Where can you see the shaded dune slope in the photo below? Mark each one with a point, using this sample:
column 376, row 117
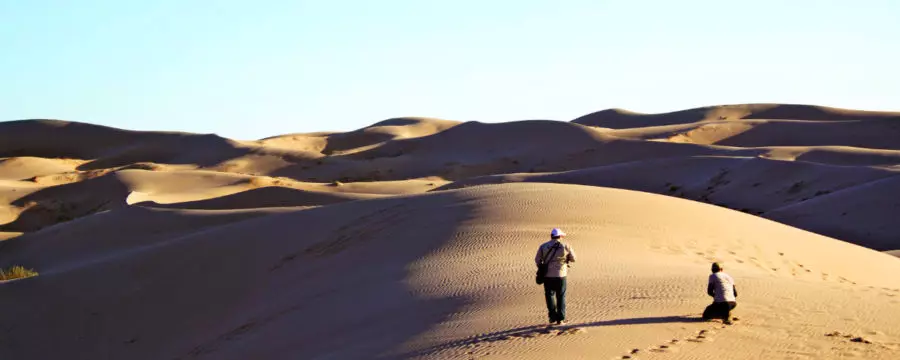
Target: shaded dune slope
column 866, row 214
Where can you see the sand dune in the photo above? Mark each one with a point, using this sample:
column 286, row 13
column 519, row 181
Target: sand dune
column 784, row 191
column 20, row 168
column 367, row 137
column 836, row 155
column 755, row 184
column 414, row 238
column 70, row 139
column 272, row 196
column 8, row 235
column 620, row 119
column 876, row 134
column 29, row 206
column 865, row 214
column 476, row 149
column 637, row 285
column 114, row 233
column 62, row 203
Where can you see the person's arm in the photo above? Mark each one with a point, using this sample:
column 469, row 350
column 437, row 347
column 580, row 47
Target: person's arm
column 733, row 286
column 538, row 257
column 570, row 257
column 710, row 288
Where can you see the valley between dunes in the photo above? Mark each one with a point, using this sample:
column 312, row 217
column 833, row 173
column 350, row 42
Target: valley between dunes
column 415, row 238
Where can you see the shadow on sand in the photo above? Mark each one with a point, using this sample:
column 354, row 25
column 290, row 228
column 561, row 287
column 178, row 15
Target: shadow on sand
column 537, row 330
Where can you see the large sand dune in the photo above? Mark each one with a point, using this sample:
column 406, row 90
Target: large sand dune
column 839, row 201
column 414, row 238
column 447, row 275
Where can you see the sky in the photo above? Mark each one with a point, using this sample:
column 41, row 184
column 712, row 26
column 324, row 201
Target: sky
column 253, row 69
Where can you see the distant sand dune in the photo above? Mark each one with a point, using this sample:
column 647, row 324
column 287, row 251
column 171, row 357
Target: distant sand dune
column 272, row 196
column 383, row 157
column 864, row 214
column 752, row 185
column 20, row 168
column 620, row 119
column 875, row 134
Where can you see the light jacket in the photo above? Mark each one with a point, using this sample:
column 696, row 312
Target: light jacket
column 558, row 260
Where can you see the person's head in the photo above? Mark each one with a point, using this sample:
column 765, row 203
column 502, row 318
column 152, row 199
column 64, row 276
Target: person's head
column 716, row 267
column 556, row 234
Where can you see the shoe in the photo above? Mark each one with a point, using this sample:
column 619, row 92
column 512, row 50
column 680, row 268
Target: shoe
column 562, row 322
column 727, row 322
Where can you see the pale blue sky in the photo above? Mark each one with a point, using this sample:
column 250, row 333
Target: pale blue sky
column 251, row 69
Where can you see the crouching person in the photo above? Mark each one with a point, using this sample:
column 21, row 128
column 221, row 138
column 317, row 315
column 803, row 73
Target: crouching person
column 721, row 288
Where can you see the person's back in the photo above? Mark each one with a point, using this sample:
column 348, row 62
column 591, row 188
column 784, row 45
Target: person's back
column 557, row 255
column 723, row 287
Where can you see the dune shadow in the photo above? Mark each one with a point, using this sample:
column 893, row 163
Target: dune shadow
column 538, row 330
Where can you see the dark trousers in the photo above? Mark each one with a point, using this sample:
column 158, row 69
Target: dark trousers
column 719, row 310
column 555, row 295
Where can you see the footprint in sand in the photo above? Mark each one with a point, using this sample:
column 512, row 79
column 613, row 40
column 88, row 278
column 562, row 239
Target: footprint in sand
column 664, row 348
column 702, row 336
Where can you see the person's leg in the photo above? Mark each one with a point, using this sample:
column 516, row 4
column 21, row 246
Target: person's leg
column 716, row 310
column 727, row 310
column 548, row 297
column 561, row 300
column 710, row 312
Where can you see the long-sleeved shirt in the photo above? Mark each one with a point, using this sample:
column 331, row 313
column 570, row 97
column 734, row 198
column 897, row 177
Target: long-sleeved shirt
column 558, row 260
column 721, row 287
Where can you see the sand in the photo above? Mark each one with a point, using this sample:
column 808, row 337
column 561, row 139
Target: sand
column 415, row 237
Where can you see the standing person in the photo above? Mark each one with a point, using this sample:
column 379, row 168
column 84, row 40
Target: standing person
column 721, row 288
column 556, row 256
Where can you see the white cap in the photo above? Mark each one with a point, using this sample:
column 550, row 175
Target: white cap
column 557, row 232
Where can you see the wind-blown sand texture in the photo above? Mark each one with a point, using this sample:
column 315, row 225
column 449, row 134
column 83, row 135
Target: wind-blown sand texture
column 415, row 237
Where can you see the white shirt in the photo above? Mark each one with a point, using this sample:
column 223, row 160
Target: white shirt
column 723, row 287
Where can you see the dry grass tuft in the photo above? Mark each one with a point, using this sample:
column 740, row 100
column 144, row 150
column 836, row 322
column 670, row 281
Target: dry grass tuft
column 16, row 272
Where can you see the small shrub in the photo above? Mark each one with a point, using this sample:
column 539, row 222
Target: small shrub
column 16, row 272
